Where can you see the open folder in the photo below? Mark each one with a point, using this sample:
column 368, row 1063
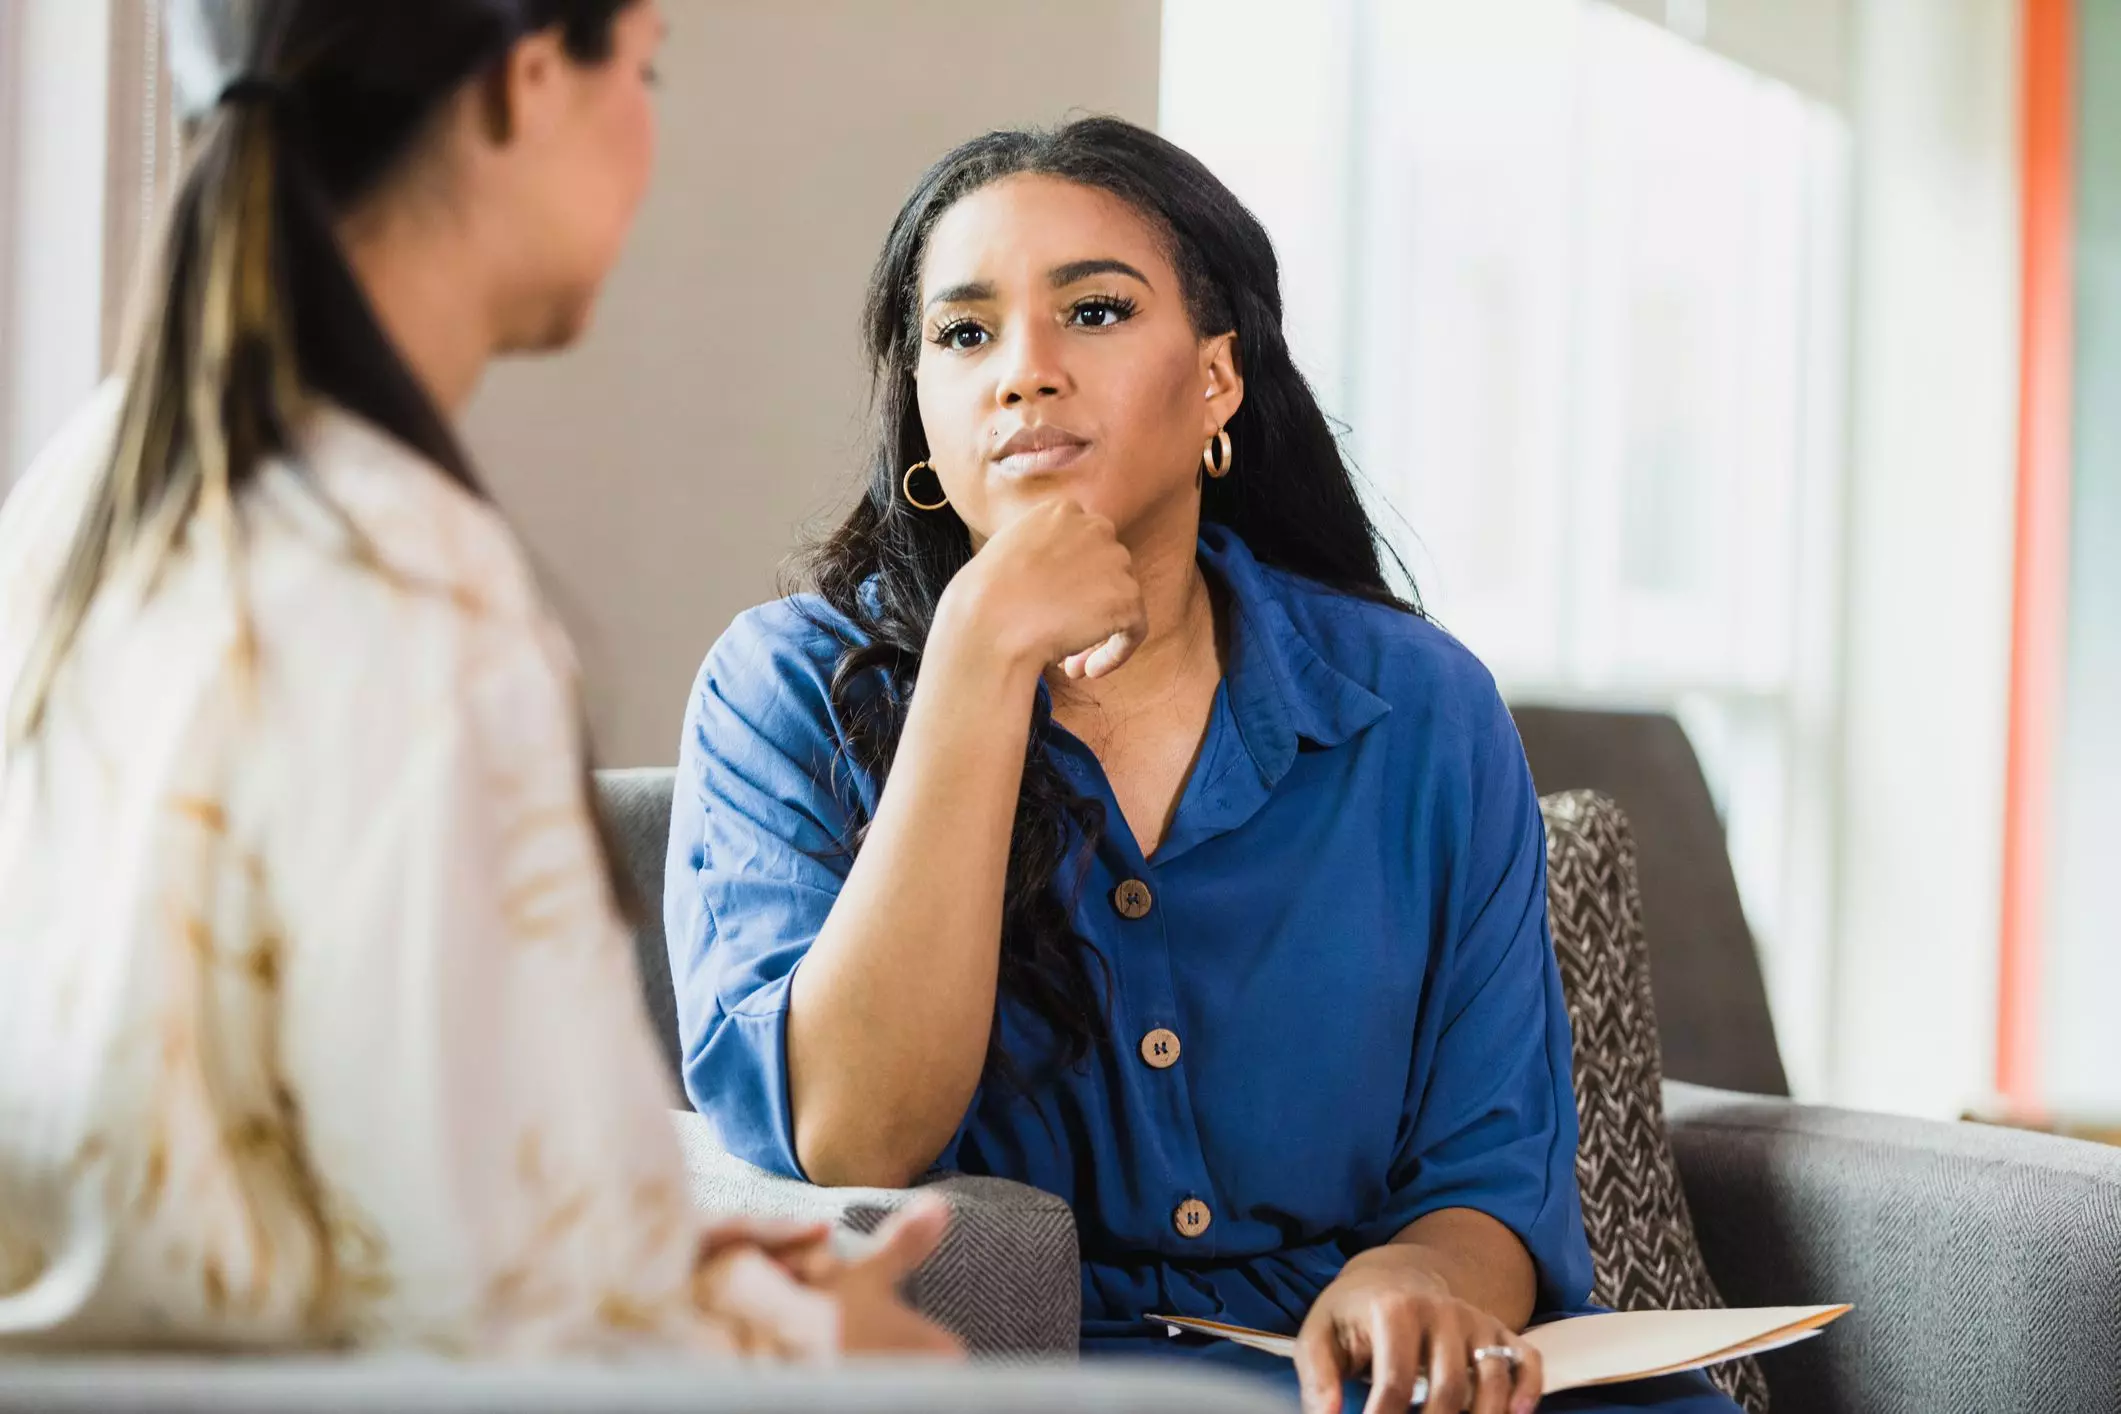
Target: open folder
column 1611, row 1349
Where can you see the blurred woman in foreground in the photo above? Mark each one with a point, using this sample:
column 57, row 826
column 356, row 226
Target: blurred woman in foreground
column 318, row 1024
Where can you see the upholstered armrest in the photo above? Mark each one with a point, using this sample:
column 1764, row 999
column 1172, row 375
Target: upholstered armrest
column 1984, row 1264
column 1007, row 1281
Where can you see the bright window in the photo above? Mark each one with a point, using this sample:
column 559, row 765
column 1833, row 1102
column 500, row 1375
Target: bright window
column 1578, row 286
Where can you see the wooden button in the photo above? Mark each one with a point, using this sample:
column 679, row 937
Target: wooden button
column 1160, row 1048
column 1133, row 899
column 1192, row 1218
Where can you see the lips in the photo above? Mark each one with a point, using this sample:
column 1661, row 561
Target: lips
column 1030, row 450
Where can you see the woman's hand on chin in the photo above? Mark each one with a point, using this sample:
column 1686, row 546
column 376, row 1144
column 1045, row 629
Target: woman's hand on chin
column 1054, row 586
column 1391, row 1319
column 781, row 1291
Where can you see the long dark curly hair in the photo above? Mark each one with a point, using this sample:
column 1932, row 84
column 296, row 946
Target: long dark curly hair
column 1293, row 501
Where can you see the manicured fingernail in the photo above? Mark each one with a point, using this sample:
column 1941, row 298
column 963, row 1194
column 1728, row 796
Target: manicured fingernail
column 1524, row 1404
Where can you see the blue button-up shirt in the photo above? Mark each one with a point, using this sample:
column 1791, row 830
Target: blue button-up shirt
column 1346, row 932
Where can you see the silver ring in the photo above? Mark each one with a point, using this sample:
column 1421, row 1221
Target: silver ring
column 1510, row 1353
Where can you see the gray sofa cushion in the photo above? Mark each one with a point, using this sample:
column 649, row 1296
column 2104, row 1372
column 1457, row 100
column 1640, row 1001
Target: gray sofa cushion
column 1643, row 1248
column 1714, row 1022
column 1984, row 1264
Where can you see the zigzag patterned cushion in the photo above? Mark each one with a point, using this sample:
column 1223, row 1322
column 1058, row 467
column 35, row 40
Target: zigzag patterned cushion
column 1643, row 1249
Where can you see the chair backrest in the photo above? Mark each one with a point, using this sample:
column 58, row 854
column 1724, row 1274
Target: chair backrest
column 636, row 810
column 1712, row 1007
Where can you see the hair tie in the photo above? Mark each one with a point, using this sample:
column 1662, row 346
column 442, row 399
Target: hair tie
column 250, row 89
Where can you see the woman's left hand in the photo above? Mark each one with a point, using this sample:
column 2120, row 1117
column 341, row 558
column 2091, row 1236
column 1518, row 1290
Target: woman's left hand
column 1390, row 1318
column 782, row 1291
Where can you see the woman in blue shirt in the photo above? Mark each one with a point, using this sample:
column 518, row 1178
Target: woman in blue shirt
column 1104, row 822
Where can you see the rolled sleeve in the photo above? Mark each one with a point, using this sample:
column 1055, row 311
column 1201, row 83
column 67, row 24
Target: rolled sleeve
column 759, row 849
column 1491, row 1121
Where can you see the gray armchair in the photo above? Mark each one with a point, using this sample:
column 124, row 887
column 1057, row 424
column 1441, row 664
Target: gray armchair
column 1985, row 1265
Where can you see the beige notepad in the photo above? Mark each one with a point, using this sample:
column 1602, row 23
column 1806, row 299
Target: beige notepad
column 1612, row 1349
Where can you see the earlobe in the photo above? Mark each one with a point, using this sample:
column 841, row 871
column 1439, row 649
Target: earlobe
column 524, row 97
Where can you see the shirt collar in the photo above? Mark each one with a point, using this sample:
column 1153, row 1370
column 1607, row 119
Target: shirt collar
column 1282, row 691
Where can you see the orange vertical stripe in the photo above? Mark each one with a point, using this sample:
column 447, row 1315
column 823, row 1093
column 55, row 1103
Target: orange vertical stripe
column 2040, row 578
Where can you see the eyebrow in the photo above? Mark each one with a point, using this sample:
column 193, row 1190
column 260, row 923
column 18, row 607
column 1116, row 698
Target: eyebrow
column 963, row 294
column 1075, row 270
column 1062, row 276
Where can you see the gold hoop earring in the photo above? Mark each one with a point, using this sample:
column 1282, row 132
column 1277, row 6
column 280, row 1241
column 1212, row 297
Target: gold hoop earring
column 905, row 487
column 1218, row 465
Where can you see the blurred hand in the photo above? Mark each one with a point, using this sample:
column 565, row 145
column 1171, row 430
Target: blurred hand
column 785, row 1293
column 1053, row 587
column 875, row 1317
column 1391, row 1320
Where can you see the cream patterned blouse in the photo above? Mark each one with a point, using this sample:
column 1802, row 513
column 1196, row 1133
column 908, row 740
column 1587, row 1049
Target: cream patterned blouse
column 317, row 1022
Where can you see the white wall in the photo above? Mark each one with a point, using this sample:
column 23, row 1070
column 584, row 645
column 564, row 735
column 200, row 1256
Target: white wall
column 10, row 127
column 54, row 103
column 663, row 471
column 1929, row 555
